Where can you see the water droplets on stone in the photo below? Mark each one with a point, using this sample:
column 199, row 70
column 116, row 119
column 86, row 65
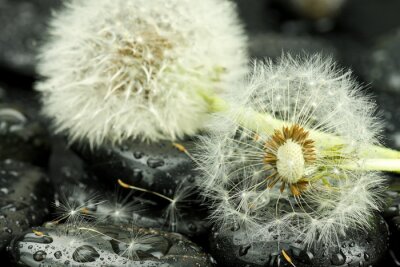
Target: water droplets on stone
column 366, row 256
column 244, row 249
column 57, row 254
column 192, row 227
column 155, row 162
column 39, row 255
column 85, row 253
column 138, row 155
column 137, row 174
column 142, row 248
column 338, row 259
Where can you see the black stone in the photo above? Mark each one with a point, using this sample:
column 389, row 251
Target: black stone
column 158, row 167
column 272, row 45
column 23, row 29
column 105, row 246
column 392, row 215
column 74, row 183
column 382, row 69
column 24, row 198
column 22, row 136
column 389, row 109
column 359, row 248
column 257, row 15
column 368, row 19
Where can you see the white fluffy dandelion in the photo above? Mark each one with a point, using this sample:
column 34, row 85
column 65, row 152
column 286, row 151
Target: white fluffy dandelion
column 117, row 70
column 289, row 156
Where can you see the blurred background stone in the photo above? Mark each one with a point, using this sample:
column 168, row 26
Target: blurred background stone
column 25, row 196
column 23, row 29
column 22, row 136
column 382, row 69
column 272, row 45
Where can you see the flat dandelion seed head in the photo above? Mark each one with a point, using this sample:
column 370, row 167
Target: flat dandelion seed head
column 117, row 70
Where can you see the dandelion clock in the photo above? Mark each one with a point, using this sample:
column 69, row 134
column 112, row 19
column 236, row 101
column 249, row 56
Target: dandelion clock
column 118, row 70
column 288, row 163
column 122, row 79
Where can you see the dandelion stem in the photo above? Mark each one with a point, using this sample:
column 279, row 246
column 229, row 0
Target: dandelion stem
column 389, row 165
column 125, row 185
column 377, row 157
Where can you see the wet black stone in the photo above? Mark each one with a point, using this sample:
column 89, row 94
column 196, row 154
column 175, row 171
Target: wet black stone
column 392, row 215
column 158, row 167
column 85, row 253
column 382, row 69
column 257, row 15
column 272, row 45
column 389, row 107
column 113, row 247
column 232, row 248
column 72, row 181
column 24, row 198
column 313, row 10
column 23, row 29
column 22, row 137
column 368, row 19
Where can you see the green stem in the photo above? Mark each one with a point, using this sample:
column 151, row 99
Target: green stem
column 389, row 165
column 376, row 157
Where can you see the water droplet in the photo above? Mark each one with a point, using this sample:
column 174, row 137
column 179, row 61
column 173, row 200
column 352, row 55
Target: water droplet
column 85, row 253
column 366, row 256
column 137, row 174
column 138, row 155
column 57, row 254
column 4, row 190
column 7, row 230
column 154, row 163
column 39, row 255
column 38, row 239
column 235, row 227
column 192, row 227
column 244, row 249
column 191, row 179
column 338, row 259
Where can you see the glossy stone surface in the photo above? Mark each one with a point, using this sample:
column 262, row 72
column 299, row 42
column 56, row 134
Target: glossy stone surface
column 383, row 67
column 74, row 184
column 23, row 29
column 158, row 167
column 22, row 136
column 24, row 198
column 230, row 247
column 58, row 245
column 272, row 45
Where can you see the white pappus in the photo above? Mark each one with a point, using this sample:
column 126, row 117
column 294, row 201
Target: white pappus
column 117, row 70
column 283, row 158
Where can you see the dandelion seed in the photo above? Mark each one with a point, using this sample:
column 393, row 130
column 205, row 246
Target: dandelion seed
column 178, row 202
column 289, row 131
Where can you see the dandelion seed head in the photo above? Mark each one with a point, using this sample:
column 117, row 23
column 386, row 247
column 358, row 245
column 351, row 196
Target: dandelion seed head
column 117, row 70
column 293, row 180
